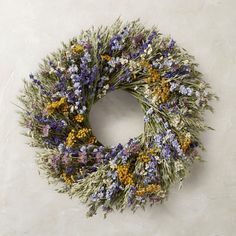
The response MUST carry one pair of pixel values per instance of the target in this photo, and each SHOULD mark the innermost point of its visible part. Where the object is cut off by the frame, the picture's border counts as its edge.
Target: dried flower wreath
(158, 73)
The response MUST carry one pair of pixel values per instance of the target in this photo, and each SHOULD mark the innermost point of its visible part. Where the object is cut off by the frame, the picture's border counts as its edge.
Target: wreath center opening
(116, 118)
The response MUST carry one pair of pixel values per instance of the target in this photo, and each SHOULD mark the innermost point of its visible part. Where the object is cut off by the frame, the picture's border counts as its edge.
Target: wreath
(152, 68)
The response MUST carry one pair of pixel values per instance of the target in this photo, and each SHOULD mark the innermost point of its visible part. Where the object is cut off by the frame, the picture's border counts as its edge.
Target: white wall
(206, 205)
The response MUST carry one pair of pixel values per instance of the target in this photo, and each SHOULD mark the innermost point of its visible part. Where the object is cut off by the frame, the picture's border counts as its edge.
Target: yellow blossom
(145, 64)
(77, 48)
(162, 91)
(153, 151)
(123, 174)
(106, 57)
(153, 74)
(185, 142)
(68, 179)
(79, 118)
(71, 138)
(92, 140)
(82, 133)
(143, 157)
(151, 188)
(61, 104)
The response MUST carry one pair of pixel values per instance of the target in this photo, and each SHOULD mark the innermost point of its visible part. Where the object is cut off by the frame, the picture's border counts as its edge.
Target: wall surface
(206, 205)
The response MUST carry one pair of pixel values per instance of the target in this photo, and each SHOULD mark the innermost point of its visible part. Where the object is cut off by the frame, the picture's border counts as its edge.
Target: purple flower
(73, 69)
(87, 45)
(93, 75)
(151, 37)
(115, 43)
(82, 158)
(112, 174)
(144, 45)
(55, 161)
(69, 170)
(169, 74)
(158, 139)
(149, 111)
(86, 58)
(146, 119)
(185, 90)
(177, 147)
(65, 159)
(38, 83)
(98, 157)
(112, 189)
(61, 147)
(100, 194)
(171, 44)
(117, 40)
(173, 86)
(138, 39)
(131, 195)
(166, 152)
(46, 130)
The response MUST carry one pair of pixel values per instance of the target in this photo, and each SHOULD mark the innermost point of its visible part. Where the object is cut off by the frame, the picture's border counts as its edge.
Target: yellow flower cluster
(92, 140)
(106, 57)
(73, 136)
(153, 151)
(124, 176)
(154, 75)
(143, 157)
(77, 48)
(163, 91)
(79, 118)
(68, 179)
(151, 188)
(185, 141)
(82, 133)
(62, 104)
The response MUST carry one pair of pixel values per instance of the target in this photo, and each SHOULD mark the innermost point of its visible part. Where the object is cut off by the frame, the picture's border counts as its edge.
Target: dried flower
(77, 48)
